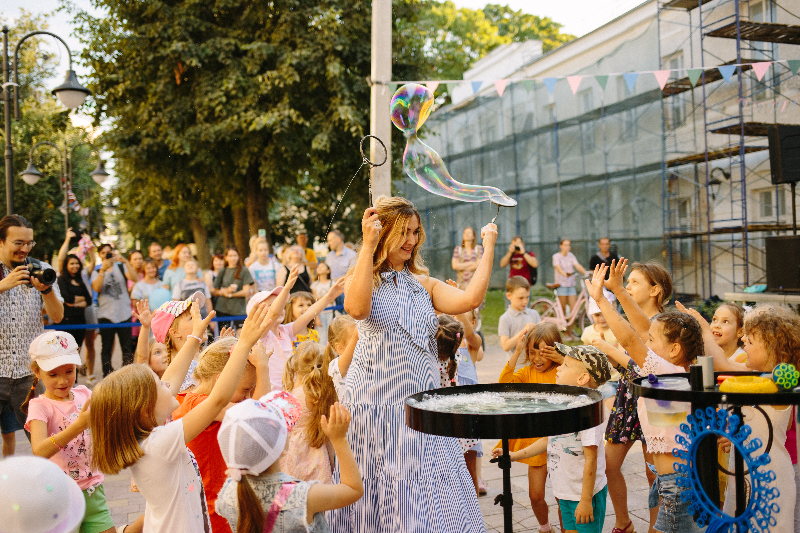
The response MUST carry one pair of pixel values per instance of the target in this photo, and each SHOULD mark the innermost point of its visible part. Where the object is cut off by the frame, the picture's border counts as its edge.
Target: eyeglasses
(20, 244)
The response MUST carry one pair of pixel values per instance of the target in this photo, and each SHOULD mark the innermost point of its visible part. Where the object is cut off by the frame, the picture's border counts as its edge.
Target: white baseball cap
(37, 497)
(252, 437)
(54, 348)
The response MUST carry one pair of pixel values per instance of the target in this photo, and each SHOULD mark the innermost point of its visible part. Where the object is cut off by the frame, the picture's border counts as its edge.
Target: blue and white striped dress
(413, 482)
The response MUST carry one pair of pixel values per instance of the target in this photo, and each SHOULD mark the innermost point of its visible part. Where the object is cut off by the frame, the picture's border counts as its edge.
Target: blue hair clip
(652, 378)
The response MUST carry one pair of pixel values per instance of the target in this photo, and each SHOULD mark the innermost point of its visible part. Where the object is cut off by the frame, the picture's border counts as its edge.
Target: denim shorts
(673, 513)
(8, 420)
(566, 291)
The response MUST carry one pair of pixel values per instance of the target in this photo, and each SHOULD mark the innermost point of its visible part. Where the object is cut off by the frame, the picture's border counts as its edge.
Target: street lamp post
(31, 175)
(70, 93)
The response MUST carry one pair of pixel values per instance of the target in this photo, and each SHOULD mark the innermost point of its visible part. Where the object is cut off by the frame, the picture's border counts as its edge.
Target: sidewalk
(126, 506)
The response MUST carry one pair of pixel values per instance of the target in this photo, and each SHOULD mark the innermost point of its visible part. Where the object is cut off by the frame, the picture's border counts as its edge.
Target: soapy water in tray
(499, 402)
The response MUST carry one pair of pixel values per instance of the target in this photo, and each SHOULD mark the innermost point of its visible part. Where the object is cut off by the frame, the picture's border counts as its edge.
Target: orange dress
(527, 374)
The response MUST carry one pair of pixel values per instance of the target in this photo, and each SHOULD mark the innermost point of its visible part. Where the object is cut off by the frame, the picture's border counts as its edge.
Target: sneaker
(481, 487)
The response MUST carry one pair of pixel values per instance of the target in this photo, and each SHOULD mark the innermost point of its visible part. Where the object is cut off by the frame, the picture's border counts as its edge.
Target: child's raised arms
(177, 369)
(143, 343)
(721, 363)
(199, 418)
(323, 498)
(474, 341)
(346, 357)
(259, 358)
(628, 338)
(521, 343)
(301, 323)
(637, 318)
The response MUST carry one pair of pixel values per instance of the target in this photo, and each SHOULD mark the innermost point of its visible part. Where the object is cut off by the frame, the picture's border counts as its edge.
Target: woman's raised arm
(358, 287)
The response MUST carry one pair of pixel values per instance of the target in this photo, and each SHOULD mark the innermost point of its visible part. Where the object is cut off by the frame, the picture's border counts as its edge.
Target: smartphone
(262, 233)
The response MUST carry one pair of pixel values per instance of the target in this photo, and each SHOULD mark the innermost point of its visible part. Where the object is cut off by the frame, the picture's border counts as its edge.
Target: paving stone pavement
(126, 506)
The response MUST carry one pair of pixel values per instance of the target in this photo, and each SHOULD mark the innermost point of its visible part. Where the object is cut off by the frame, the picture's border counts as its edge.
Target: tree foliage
(44, 119)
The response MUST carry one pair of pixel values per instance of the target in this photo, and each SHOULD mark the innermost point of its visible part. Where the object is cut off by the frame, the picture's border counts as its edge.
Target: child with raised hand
(149, 351)
(298, 304)
(576, 460)
(673, 342)
(648, 288)
(129, 422)
(537, 343)
(58, 422)
(253, 382)
(309, 455)
(342, 340)
(252, 438)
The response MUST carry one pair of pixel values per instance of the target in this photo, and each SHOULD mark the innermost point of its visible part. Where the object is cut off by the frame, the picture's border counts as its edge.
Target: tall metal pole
(380, 124)
(7, 113)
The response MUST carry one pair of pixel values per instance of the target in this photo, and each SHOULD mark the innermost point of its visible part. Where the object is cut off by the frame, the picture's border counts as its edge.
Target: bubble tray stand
(553, 419)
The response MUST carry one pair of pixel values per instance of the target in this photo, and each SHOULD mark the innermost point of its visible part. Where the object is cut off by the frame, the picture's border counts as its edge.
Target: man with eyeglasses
(21, 301)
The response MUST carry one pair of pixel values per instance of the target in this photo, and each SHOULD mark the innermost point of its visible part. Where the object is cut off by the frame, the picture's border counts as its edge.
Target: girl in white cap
(58, 422)
(258, 497)
(129, 419)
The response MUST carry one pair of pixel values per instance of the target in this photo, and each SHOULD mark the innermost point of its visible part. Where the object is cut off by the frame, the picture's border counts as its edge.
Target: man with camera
(26, 287)
(110, 282)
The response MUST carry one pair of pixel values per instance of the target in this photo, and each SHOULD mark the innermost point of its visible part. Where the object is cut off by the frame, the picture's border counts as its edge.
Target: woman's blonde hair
(779, 332)
(310, 362)
(394, 213)
(289, 317)
(122, 414)
(213, 359)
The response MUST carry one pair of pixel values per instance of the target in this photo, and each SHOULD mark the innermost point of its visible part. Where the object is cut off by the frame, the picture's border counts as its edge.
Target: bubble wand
(364, 161)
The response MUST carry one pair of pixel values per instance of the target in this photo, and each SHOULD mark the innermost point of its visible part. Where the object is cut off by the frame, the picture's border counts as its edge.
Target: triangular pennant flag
(761, 68)
(602, 80)
(451, 87)
(574, 83)
(661, 77)
(630, 79)
(550, 83)
(432, 85)
(794, 65)
(528, 84)
(500, 85)
(727, 71)
(476, 86)
(694, 75)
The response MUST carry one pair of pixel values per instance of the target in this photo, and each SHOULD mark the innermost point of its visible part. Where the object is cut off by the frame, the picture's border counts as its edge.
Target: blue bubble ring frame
(758, 513)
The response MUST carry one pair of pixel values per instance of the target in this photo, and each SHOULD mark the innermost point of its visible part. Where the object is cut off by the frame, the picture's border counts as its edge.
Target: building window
(549, 137)
(626, 116)
(586, 99)
(684, 209)
(676, 107)
(767, 203)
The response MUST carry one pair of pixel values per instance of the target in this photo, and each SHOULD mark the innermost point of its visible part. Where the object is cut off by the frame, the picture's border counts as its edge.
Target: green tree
(44, 119)
(521, 26)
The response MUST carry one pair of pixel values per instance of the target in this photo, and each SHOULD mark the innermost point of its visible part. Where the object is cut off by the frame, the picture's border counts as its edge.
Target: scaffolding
(711, 152)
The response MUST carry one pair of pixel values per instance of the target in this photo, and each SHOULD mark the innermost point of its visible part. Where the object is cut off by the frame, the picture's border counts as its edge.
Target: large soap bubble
(410, 107)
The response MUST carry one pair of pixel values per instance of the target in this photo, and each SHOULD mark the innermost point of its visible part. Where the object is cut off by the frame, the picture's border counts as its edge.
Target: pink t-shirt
(658, 439)
(76, 457)
(281, 346)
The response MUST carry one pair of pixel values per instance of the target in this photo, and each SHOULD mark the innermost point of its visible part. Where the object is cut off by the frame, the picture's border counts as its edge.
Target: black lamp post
(70, 93)
(31, 175)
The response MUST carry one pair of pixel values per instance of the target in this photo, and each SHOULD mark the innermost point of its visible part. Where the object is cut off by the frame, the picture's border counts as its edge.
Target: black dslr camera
(46, 276)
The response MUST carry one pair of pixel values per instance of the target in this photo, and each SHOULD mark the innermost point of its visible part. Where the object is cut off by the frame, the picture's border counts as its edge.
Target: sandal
(625, 529)
(481, 487)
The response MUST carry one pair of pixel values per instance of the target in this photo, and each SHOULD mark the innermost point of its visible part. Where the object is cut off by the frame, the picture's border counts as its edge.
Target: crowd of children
(245, 434)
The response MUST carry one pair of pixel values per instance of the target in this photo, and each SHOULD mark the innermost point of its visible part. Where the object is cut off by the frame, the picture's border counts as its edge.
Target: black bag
(534, 271)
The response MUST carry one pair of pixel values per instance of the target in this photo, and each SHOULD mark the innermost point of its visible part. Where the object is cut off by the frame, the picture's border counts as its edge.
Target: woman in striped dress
(413, 482)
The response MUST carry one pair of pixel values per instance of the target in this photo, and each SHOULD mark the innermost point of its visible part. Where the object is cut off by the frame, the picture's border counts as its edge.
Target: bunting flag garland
(761, 68)
(630, 79)
(662, 77)
(694, 75)
(73, 201)
(727, 71)
(574, 83)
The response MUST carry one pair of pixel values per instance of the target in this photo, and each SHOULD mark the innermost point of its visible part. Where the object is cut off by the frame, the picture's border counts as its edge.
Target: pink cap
(261, 296)
(169, 311)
